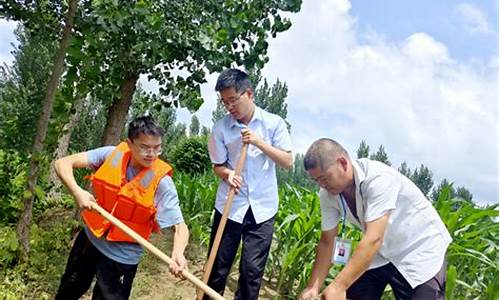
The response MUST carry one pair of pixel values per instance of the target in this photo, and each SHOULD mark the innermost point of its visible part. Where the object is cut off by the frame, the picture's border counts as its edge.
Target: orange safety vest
(131, 202)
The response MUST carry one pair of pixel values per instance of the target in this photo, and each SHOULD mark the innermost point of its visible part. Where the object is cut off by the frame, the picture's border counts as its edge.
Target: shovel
(143, 242)
(223, 220)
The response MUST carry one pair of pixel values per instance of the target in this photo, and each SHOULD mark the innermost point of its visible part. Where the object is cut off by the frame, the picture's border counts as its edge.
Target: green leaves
(451, 278)
(191, 155)
(50, 242)
(13, 177)
(492, 288)
(295, 237)
(10, 246)
(473, 254)
(137, 37)
(381, 156)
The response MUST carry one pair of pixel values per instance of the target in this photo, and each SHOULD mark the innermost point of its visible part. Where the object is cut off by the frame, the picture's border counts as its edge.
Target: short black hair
(233, 78)
(323, 153)
(145, 125)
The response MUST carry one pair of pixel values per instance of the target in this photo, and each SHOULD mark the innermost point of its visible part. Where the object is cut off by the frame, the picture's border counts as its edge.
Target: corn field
(472, 256)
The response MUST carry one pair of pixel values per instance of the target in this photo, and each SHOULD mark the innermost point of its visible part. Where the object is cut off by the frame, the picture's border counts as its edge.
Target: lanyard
(344, 216)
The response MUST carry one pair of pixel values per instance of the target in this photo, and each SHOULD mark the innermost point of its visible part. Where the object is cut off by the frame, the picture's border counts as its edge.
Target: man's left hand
(178, 265)
(334, 292)
(250, 137)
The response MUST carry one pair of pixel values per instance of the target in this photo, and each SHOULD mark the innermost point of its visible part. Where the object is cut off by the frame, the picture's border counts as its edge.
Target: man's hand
(234, 180)
(250, 137)
(309, 293)
(178, 265)
(334, 292)
(84, 199)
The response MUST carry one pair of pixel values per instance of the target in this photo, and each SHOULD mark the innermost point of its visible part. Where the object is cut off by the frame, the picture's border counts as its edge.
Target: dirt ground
(153, 281)
(168, 287)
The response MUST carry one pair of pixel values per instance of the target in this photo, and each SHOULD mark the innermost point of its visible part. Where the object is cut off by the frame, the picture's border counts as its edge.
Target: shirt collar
(257, 115)
(359, 172)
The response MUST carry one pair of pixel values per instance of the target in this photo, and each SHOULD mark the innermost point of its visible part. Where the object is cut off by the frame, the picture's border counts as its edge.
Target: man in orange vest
(134, 185)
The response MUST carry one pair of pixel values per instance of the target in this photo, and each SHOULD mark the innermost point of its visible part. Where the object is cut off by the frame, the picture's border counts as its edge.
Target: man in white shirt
(251, 218)
(404, 240)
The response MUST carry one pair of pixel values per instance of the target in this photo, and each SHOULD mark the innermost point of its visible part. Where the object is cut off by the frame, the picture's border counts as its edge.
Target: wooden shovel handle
(222, 224)
(143, 242)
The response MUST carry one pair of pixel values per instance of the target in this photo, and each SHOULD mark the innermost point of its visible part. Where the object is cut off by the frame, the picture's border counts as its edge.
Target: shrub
(191, 155)
(38, 277)
(13, 176)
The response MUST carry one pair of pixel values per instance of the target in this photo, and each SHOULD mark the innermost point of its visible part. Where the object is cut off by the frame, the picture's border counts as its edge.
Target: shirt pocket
(254, 151)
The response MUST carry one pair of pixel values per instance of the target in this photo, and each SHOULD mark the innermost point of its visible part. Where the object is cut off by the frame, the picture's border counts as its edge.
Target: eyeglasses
(230, 102)
(145, 150)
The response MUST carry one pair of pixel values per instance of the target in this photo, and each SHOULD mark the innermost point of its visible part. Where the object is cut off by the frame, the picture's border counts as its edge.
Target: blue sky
(419, 77)
(7, 39)
(445, 20)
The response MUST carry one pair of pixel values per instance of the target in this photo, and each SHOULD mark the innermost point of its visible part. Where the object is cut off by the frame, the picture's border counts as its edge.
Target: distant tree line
(421, 176)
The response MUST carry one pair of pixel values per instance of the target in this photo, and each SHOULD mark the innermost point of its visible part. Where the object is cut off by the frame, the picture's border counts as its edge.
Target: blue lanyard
(342, 200)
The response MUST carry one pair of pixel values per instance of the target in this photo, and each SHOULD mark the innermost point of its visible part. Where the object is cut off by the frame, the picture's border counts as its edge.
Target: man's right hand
(234, 180)
(84, 199)
(309, 293)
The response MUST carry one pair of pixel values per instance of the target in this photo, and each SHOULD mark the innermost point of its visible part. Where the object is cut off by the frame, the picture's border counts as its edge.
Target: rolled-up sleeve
(167, 204)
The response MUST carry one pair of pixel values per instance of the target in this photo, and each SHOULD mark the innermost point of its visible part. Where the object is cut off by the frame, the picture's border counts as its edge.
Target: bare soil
(153, 280)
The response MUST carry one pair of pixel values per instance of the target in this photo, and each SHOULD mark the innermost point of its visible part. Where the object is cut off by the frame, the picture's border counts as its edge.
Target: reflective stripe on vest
(132, 202)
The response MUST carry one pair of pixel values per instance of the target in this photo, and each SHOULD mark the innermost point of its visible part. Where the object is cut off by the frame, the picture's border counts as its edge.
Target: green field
(472, 257)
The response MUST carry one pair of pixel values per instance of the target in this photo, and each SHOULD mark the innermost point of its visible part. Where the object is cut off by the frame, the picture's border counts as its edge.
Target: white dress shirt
(415, 239)
(259, 189)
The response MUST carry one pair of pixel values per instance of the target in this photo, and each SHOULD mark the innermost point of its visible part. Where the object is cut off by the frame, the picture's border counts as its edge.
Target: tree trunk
(117, 113)
(23, 225)
(63, 145)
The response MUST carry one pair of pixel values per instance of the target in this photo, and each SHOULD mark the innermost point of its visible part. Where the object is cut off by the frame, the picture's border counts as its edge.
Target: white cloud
(423, 48)
(474, 19)
(409, 95)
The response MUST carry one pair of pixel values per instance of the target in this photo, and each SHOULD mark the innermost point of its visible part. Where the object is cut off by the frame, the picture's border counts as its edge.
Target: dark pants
(255, 249)
(114, 279)
(372, 283)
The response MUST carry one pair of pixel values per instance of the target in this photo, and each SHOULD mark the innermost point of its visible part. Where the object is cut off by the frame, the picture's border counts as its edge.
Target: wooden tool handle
(143, 242)
(222, 224)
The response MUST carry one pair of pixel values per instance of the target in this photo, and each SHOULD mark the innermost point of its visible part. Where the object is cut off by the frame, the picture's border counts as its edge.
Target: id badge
(342, 251)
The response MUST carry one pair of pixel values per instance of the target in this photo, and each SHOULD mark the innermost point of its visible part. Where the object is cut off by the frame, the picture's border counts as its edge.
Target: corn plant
(473, 254)
(295, 236)
(197, 198)
(297, 232)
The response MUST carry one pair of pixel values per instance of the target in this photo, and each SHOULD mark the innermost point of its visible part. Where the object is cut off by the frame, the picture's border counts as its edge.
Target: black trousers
(113, 279)
(372, 283)
(256, 240)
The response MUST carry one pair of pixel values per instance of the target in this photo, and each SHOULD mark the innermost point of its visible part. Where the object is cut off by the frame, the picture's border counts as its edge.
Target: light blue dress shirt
(259, 189)
(166, 202)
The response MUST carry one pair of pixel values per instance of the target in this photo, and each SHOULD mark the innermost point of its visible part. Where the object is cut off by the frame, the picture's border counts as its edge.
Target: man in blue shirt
(251, 218)
(114, 264)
